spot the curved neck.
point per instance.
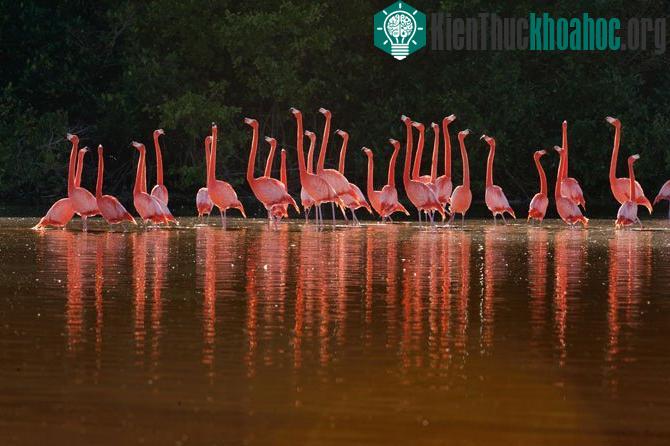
(447, 149)
(252, 155)
(543, 177)
(159, 160)
(394, 157)
(211, 175)
(466, 164)
(419, 153)
(310, 155)
(343, 152)
(489, 164)
(408, 155)
(101, 173)
(282, 169)
(299, 147)
(208, 151)
(138, 177)
(324, 145)
(436, 147)
(370, 183)
(631, 174)
(143, 161)
(80, 164)
(559, 177)
(71, 169)
(615, 153)
(271, 158)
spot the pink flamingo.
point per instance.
(570, 187)
(384, 201)
(627, 214)
(539, 203)
(110, 207)
(147, 206)
(389, 197)
(203, 203)
(269, 191)
(159, 190)
(443, 184)
(420, 194)
(567, 209)
(425, 179)
(283, 211)
(83, 202)
(279, 211)
(619, 186)
(350, 203)
(315, 185)
(495, 197)
(307, 201)
(461, 197)
(221, 193)
(337, 181)
(663, 194)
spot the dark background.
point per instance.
(112, 71)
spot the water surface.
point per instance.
(371, 335)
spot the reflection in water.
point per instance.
(378, 323)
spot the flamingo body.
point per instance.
(58, 215)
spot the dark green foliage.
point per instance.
(112, 71)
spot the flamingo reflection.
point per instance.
(538, 242)
(139, 250)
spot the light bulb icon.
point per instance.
(400, 27)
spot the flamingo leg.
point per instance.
(503, 217)
(83, 221)
(495, 222)
(332, 206)
(419, 216)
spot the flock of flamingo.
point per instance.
(429, 194)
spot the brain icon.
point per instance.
(400, 27)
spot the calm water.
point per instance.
(376, 335)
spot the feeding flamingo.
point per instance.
(83, 202)
(221, 193)
(539, 203)
(384, 201)
(420, 194)
(627, 214)
(333, 177)
(278, 211)
(159, 190)
(461, 197)
(443, 183)
(269, 191)
(147, 206)
(316, 186)
(567, 209)
(619, 186)
(203, 203)
(389, 197)
(360, 201)
(110, 207)
(307, 201)
(570, 187)
(495, 197)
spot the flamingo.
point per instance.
(461, 197)
(315, 185)
(283, 211)
(567, 209)
(384, 201)
(269, 191)
(539, 203)
(627, 214)
(110, 207)
(420, 194)
(495, 197)
(425, 179)
(333, 177)
(159, 190)
(202, 201)
(389, 197)
(360, 201)
(83, 202)
(147, 206)
(619, 186)
(663, 194)
(570, 187)
(221, 193)
(373, 195)
(307, 201)
(61, 212)
(443, 184)
(279, 211)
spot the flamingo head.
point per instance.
(325, 112)
(159, 132)
(270, 140)
(559, 149)
(448, 119)
(72, 138)
(633, 158)
(367, 151)
(614, 121)
(83, 150)
(394, 143)
(311, 135)
(463, 133)
(434, 126)
(342, 134)
(418, 125)
(100, 148)
(490, 141)
(208, 139)
(295, 112)
(406, 119)
(565, 124)
(251, 122)
(539, 154)
(137, 145)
